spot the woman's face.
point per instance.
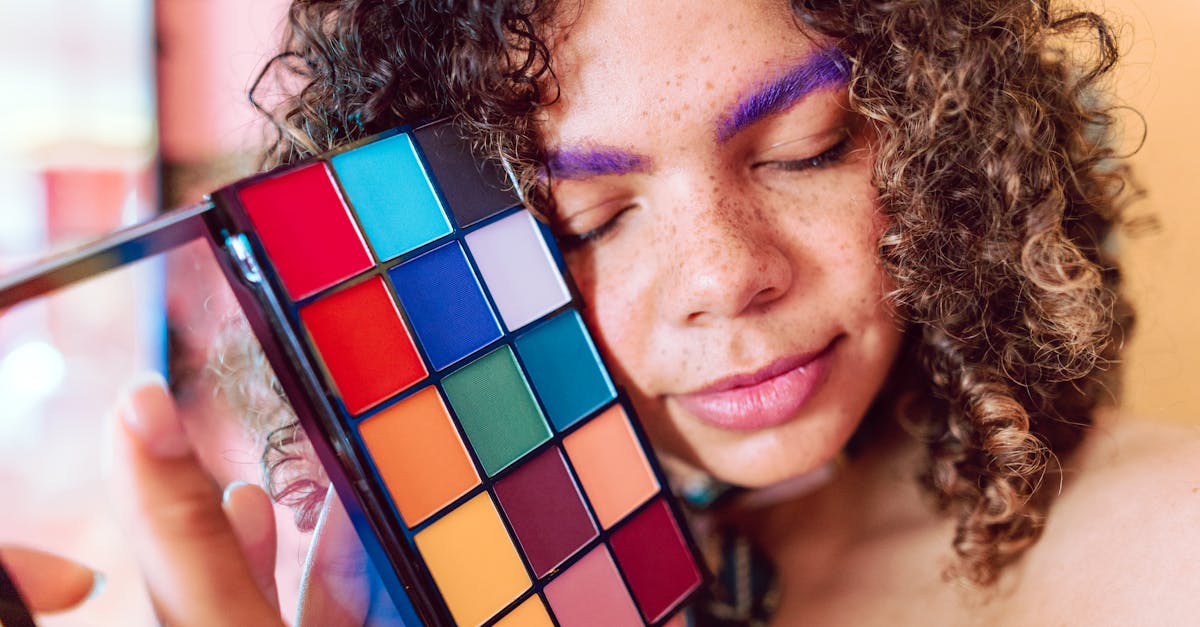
(719, 218)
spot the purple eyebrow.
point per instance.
(821, 69)
(576, 163)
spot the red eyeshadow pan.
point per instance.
(656, 560)
(364, 344)
(306, 229)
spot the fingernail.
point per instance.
(229, 490)
(99, 582)
(147, 409)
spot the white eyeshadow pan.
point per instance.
(518, 269)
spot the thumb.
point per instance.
(46, 582)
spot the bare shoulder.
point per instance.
(1123, 537)
(1137, 467)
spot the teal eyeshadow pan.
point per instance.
(565, 368)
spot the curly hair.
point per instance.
(996, 168)
(995, 165)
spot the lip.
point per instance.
(761, 399)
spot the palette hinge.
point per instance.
(243, 256)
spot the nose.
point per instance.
(731, 260)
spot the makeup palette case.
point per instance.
(423, 326)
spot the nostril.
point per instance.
(767, 295)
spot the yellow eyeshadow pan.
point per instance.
(473, 561)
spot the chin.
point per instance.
(763, 458)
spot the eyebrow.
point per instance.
(584, 162)
(823, 68)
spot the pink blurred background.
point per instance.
(100, 93)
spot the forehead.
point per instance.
(622, 64)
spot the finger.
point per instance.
(14, 611)
(252, 517)
(47, 582)
(171, 508)
(335, 588)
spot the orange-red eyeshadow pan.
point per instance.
(364, 344)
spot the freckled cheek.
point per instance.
(617, 308)
(846, 242)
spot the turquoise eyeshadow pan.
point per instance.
(565, 369)
(390, 193)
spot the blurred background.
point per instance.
(1157, 78)
(116, 108)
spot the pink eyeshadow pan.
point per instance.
(590, 594)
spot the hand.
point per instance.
(201, 566)
(209, 560)
(49, 583)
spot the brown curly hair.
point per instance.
(994, 162)
(996, 168)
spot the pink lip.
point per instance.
(761, 399)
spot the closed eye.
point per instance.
(569, 241)
(832, 155)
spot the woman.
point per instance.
(875, 232)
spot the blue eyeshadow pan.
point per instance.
(445, 304)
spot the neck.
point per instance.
(874, 492)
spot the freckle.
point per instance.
(708, 85)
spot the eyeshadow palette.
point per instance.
(422, 325)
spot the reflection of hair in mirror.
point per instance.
(292, 474)
(995, 170)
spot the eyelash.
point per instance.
(570, 241)
(834, 154)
